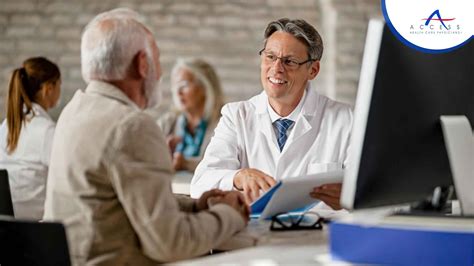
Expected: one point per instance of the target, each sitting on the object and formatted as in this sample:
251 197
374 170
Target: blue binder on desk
401 245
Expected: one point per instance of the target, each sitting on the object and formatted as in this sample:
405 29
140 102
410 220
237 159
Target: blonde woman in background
26 134
197 96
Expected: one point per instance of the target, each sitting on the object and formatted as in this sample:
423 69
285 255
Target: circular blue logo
430 26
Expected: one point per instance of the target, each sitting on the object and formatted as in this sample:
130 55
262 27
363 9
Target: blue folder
258 206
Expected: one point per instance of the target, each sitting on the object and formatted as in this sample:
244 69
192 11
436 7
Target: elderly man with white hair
110 172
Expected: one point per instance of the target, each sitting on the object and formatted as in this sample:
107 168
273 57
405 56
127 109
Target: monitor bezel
361 111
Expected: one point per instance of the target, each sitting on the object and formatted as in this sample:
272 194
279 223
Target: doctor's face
282 81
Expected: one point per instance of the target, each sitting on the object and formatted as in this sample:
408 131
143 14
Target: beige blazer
109 183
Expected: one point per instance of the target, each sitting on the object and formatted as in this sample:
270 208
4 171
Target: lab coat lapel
306 120
302 127
266 128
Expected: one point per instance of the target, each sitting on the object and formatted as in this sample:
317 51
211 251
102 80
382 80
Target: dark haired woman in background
26 134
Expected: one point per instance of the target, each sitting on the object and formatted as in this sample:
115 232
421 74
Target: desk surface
270 248
258 245
268 255
181 182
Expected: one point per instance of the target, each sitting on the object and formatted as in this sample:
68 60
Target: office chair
32 243
6 205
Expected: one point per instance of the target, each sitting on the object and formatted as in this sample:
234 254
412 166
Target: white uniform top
27 166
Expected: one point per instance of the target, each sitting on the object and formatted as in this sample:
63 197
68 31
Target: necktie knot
282 125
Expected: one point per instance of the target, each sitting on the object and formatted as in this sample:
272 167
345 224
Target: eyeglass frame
295 225
298 64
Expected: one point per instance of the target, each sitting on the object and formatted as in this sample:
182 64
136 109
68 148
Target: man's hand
251 181
329 194
202 202
178 161
235 200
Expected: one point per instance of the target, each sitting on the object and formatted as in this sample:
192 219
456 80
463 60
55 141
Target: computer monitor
397 151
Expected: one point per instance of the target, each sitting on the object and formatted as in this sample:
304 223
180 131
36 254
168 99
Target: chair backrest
32 243
6 205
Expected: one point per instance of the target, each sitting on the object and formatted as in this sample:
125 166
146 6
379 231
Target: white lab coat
27 166
244 138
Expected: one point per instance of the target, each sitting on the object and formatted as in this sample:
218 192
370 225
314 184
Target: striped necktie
282 126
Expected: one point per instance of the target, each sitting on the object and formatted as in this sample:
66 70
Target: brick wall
228 33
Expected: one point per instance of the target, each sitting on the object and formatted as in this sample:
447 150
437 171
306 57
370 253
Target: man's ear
314 70
142 64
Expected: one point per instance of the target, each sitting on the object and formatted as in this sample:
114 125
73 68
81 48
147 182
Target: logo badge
430 26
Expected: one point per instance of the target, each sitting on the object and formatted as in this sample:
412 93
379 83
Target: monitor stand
437 204
459 141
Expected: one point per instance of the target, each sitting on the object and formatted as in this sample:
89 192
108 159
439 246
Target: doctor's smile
277 81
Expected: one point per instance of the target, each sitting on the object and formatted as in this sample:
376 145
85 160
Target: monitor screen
397 150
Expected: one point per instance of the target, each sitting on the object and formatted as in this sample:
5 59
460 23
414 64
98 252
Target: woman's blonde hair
205 74
25 83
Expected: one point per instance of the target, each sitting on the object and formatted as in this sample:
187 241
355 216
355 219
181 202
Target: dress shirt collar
293 116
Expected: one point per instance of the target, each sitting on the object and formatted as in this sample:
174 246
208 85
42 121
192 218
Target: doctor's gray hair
109 43
302 30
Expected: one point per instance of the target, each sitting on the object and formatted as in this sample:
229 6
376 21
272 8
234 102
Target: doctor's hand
329 194
251 181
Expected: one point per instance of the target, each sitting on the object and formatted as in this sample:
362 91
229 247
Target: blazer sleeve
140 169
47 144
221 158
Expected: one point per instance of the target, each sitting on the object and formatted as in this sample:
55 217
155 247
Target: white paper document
292 193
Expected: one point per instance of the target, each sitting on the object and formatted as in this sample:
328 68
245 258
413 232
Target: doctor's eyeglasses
289 63
305 221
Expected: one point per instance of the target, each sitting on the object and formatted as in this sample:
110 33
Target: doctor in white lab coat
251 149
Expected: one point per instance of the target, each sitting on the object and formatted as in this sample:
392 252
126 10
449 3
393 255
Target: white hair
109 43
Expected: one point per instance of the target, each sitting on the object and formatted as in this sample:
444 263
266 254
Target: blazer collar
110 91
